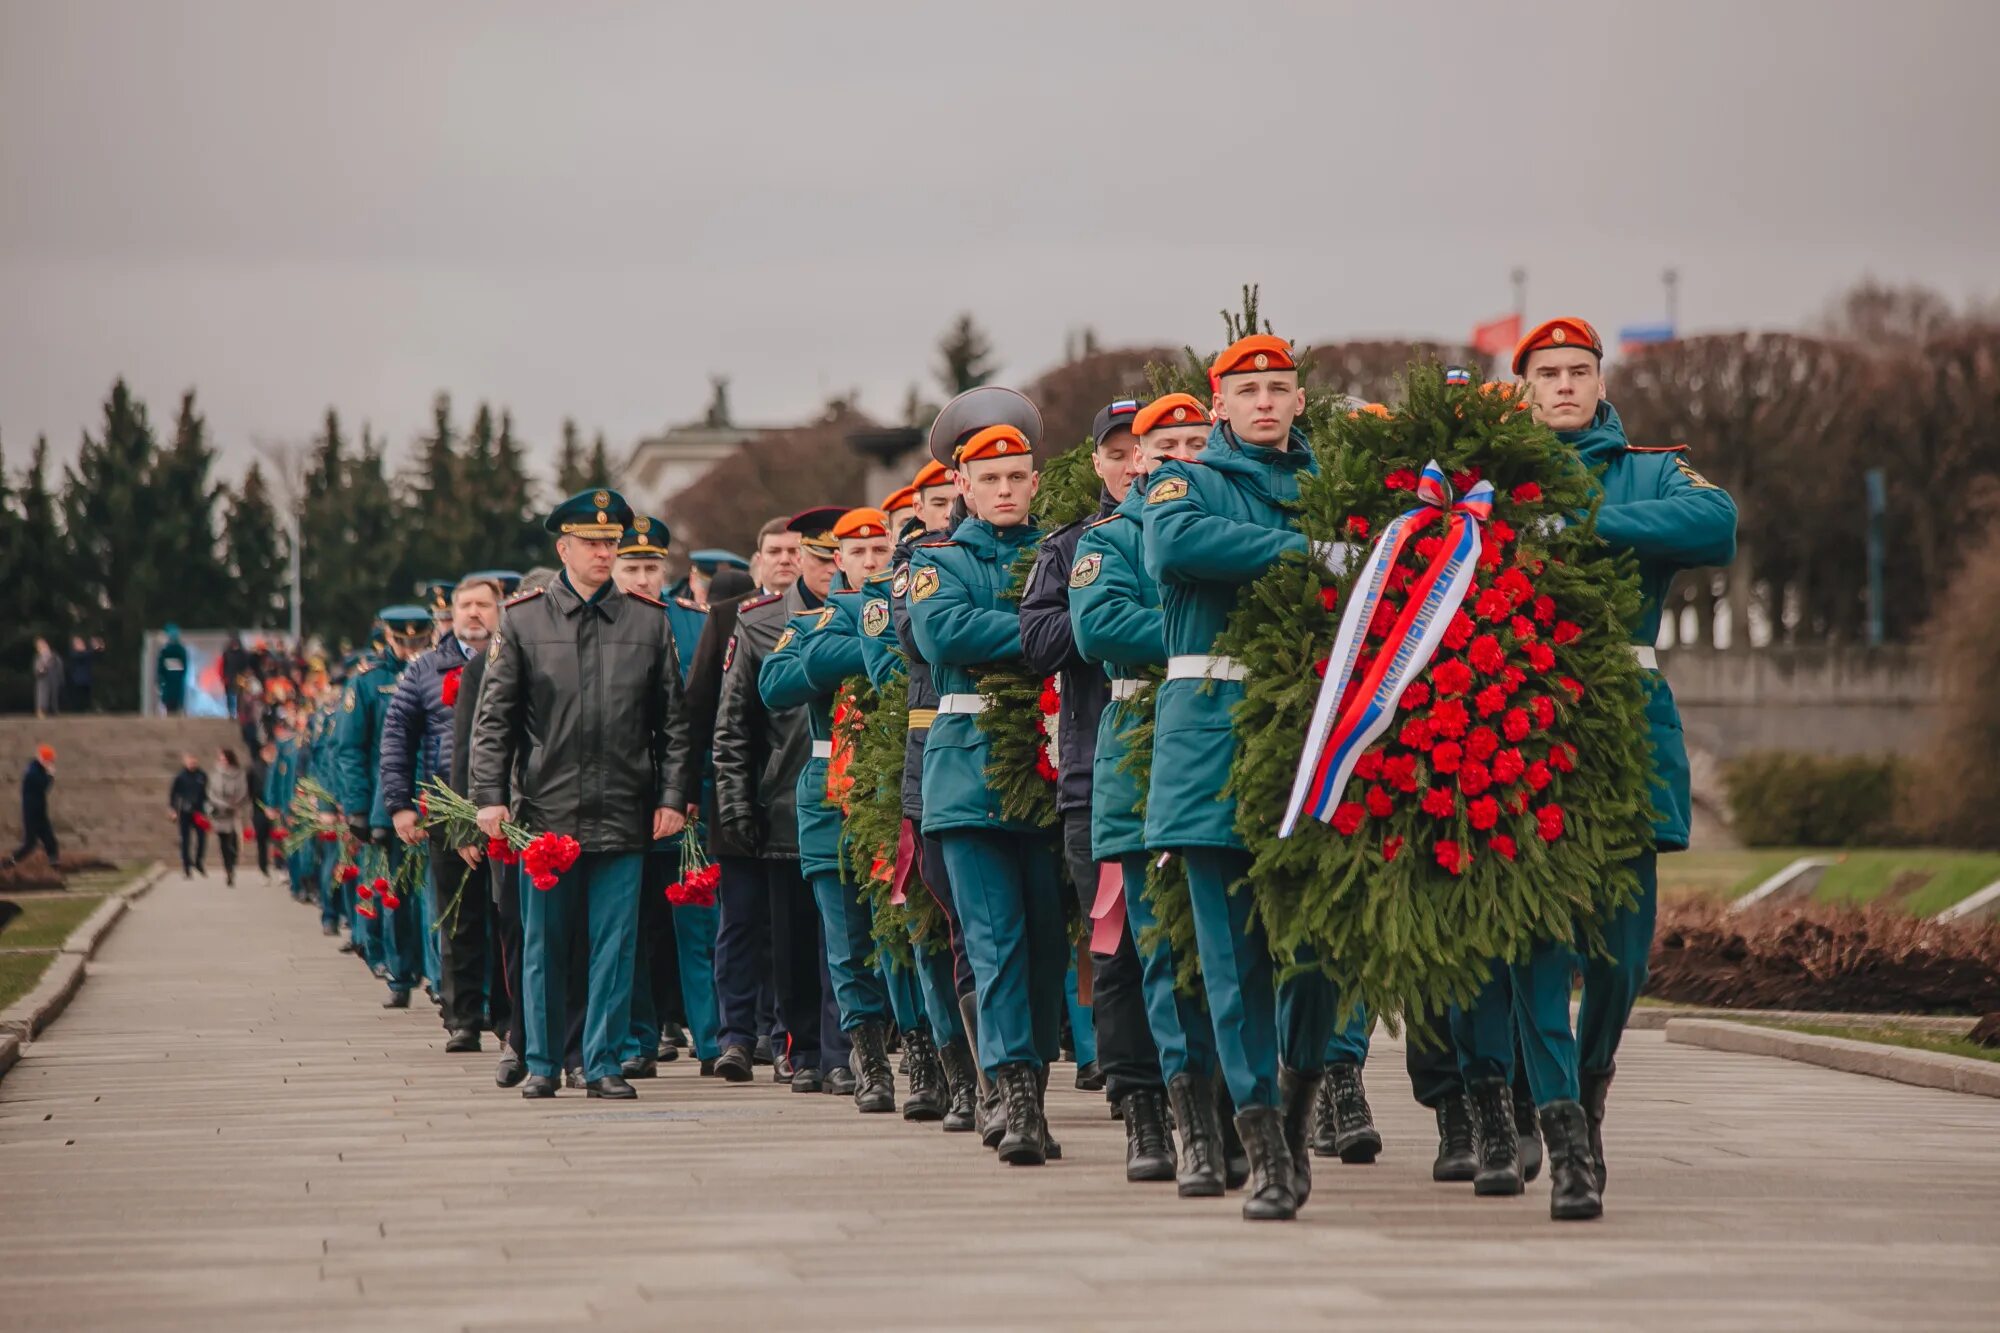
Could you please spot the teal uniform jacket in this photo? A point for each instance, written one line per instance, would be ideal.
(685, 618)
(1672, 518)
(1212, 527)
(357, 740)
(818, 650)
(880, 649)
(962, 616)
(1114, 609)
(281, 781)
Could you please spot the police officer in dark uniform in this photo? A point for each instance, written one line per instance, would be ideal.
(1126, 1054)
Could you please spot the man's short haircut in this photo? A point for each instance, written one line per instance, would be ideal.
(772, 527)
(491, 585)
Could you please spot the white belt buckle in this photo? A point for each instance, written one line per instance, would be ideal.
(1125, 687)
(1647, 655)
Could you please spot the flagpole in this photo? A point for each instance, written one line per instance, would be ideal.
(1671, 280)
(1519, 277)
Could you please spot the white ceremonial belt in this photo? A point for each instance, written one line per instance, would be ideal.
(1648, 656)
(822, 749)
(1125, 687)
(961, 703)
(1200, 666)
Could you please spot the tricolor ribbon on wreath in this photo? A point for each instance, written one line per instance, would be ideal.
(1346, 720)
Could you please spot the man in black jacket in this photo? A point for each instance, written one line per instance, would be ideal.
(581, 729)
(36, 827)
(187, 799)
(759, 754)
(417, 743)
(1129, 1062)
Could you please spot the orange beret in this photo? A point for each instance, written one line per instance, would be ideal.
(46, 753)
(862, 523)
(931, 474)
(1563, 332)
(1259, 351)
(1172, 409)
(903, 497)
(994, 442)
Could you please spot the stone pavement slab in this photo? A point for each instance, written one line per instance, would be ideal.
(225, 1132)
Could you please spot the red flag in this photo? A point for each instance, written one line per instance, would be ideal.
(1496, 337)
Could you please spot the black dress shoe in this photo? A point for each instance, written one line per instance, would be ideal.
(538, 1085)
(761, 1052)
(462, 1040)
(512, 1070)
(806, 1080)
(733, 1065)
(667, 1054)
(708, 1068)
(644, 1066)
(839, 1082)
(612, 1086)
(398, 999)
(1089, 1077)
(573, 1078)
(782, 1068)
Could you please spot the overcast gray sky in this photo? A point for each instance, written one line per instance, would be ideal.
(585, 208)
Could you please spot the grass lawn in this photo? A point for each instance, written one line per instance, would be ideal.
(20, 971)
(47, 919)
(1890, 1035)
(1930, 879)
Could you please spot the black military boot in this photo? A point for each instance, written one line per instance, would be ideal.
(1343, 1126)
(1296, 1093)
(1200, 1126)
(1149, 1151)
(927, 1091)
(839, 1081)
(961, 1088)
(1050, 1148)
(875, 1082)
(1499, 1146)
(1595, 1087)
(1023, 1139)
(1235, 1157)
(1272, 1195)
(1458, 1158)
(1528, 1130)
(1573, 1192)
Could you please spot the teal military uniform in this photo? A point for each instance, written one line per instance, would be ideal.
(1005, 883)
(1671, 518)
(357, 749)
(170, 671)
(1211, 528)
(818, 650)
(882, 652)
(1114, 607)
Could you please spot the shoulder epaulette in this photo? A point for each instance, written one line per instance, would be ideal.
(846, 592)
(686, 604)
(641, 597)
(1078, 523)
(764, 600)
(936, 545)
(1100, 522)
(527, 596)
(941, 539)
(1656, 448)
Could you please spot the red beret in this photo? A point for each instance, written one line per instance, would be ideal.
(1246, 356)
(862, 523)
(994, 442)
(1563, 332)
(1173, 409)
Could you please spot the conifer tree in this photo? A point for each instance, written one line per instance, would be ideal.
(184, 576)
(965, 357)
(441, 524)
(108, 533)
(570, 474)
(323, 565)
(599, 473)
(256, 555)
(38, 576)
(512, 538)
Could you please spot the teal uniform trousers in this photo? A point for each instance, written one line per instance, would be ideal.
(600, 896)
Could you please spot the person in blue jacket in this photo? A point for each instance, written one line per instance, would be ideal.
(1004, 874)
(357, 745)
(1671, 518)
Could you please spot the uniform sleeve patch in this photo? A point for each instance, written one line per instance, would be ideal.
(1168, 488)
(1084, 572)
(784, 639)
(1694, 479)
(729, 653)
(923, 583)
(875, 618)
(901, 583)
(347, 700)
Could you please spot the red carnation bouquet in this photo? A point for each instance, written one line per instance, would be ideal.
(201, 822)
(1442, 742)
(700, 877)
(546, 857)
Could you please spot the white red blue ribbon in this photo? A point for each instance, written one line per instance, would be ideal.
(1339, 734)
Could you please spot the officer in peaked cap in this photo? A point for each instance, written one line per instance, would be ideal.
(436, 595)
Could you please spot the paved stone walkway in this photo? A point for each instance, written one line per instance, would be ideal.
(226, 1132)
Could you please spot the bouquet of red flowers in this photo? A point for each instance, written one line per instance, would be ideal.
(699, 876)
(201, 822)
(545, 856)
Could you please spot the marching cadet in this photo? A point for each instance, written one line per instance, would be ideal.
(661, 995)
(1127, 1058)
(1004, 876)
(1670, 518)
(935, 490)
(581, 729)
(759, 753)
(1114, 608)
(281, 784)
(817, 653)
(1211, 527)
(901, 506)
(357, 764)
